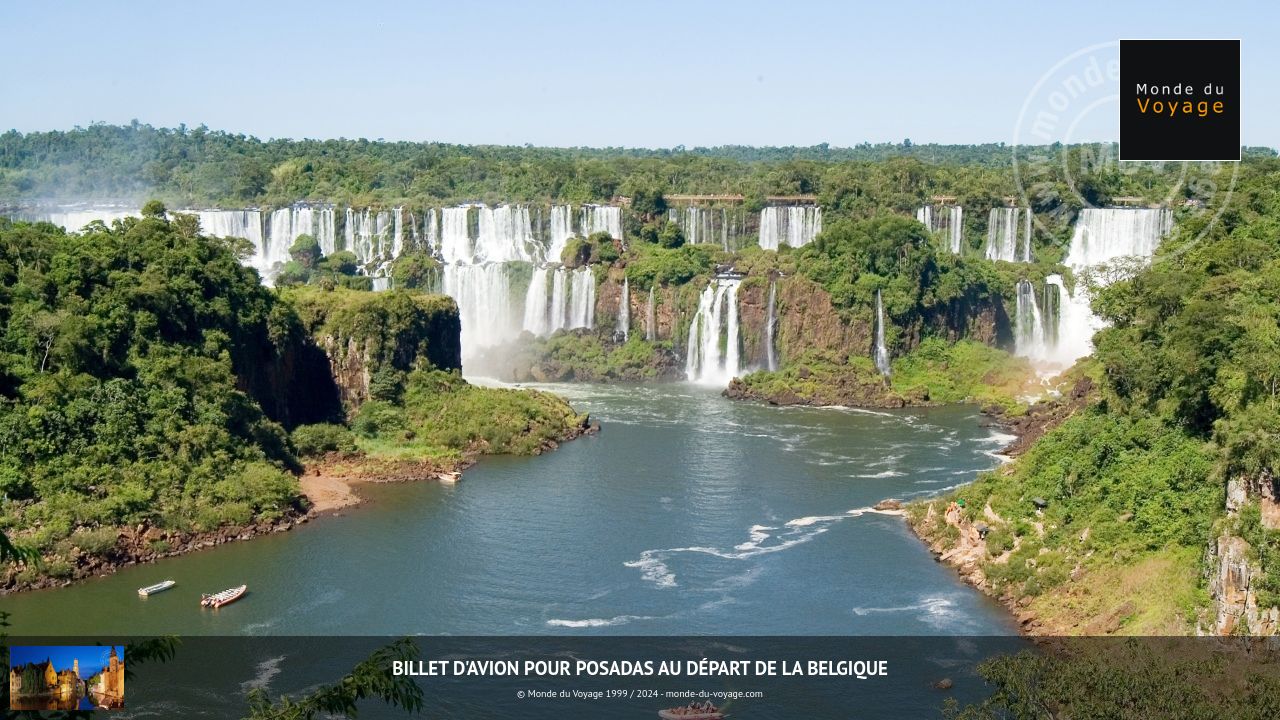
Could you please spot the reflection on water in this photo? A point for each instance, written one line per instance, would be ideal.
(687, 514)
(53, 702)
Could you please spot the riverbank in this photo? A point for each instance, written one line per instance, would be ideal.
(329, 483)
(484, 421)
(1058, 571)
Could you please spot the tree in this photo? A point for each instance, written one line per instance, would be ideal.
(671, 236)
(306, 252)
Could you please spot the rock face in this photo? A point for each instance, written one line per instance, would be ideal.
(1231, 572)
(362, 334)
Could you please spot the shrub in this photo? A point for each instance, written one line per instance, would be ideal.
(322, 438)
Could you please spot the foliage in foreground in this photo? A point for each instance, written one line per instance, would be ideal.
(1105, 680)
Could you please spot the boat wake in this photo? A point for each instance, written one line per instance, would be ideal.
(936, 611)
(265, 672)
(598, 622)
(762, 539)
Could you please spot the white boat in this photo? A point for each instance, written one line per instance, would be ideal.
(158, 587)
(217, 600)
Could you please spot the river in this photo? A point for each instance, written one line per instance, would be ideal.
(687, 514)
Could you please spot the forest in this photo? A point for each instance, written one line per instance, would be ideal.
(1184, 403)
(149, 379)
(199, 167)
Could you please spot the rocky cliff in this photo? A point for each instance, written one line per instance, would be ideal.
(1232, 565)
(365, 334)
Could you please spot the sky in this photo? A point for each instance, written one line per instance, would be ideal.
(636, 74)
(92, 657)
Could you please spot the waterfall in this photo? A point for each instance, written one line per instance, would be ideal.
(794, 225)
(1101, 236)
(770, 328)
(1029, 328)
(582, 298)
(1105, 234)
(708, 360)
(650, 317)
(881, 352)
(624, 311)
(948, 220)
(1026, 236)
(287, 224)
(483, 294)
(376, 238)
(431, 231)
(1073, 321)
(924, 216)
(601, 218)
(455, 235)
(537, 319)
(75, 220)
(1002, 234)
(560, 299)
(505, 235)
(709, 225)
(246, 225)
(560, 231)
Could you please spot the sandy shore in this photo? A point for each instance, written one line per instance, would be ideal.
(328, 492)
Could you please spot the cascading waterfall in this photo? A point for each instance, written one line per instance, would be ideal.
(623, 329)
(559, 232)
(650, 318)
(455, 235)
(75, 220)
(1074, 321)
(483, 294)
(795, 225)
(709, 225)
(431, 231)
(537, 316)
(1105, 234)
(1101, 236)
(246, 225)
(482, 247)
(560, 299)
(287, 224)
(1029, 329)
(948, 220)
(601, 218)
(1027, 219)
(770, 327)
(376, 238)
(881, 352)
(506, 235)
(1002, 235)
(713, 350)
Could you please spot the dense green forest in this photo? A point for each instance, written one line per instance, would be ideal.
(200, 167)
(1187, 398)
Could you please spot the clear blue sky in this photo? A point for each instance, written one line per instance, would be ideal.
(92, 657)
(646, 73)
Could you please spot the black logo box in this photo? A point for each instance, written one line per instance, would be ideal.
(1187, 68)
